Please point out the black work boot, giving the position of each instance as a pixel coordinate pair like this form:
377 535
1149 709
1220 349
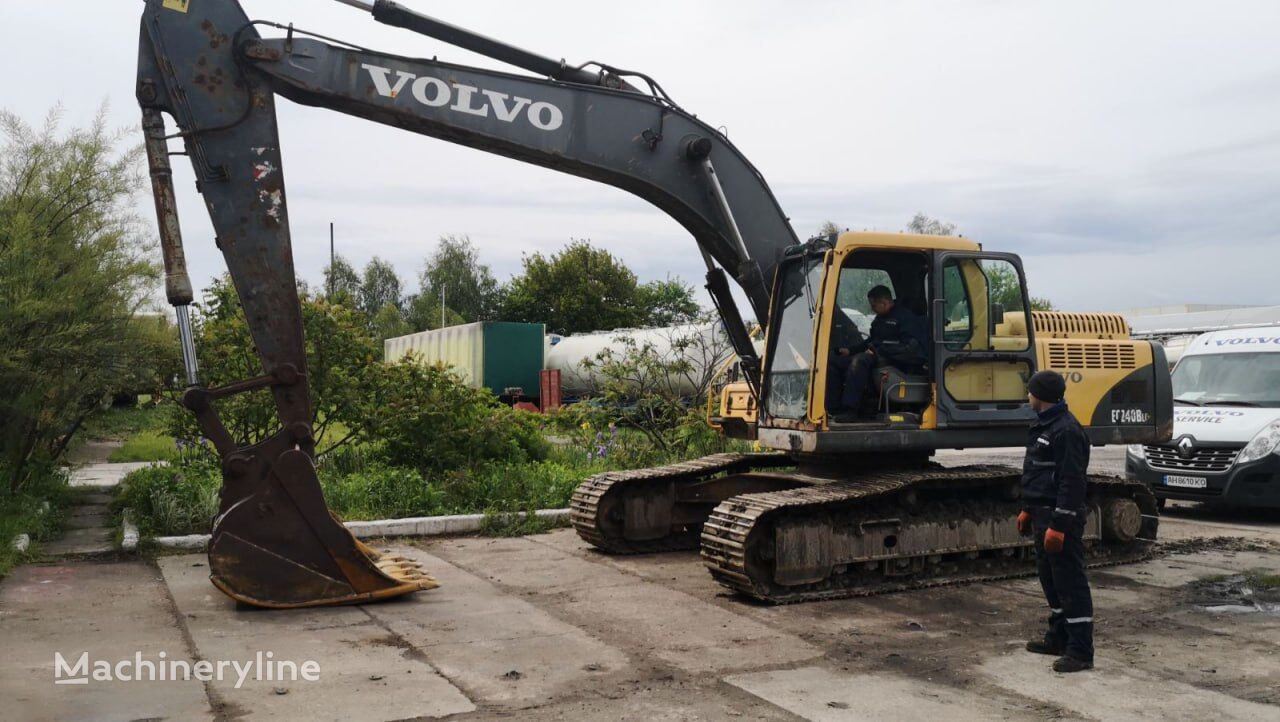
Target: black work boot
1042 646
1067 664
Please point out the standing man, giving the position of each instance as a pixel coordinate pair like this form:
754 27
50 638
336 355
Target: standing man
1054 477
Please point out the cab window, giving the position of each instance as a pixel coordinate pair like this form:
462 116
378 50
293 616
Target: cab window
983 298
957 330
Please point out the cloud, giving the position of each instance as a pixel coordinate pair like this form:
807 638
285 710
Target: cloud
1127 152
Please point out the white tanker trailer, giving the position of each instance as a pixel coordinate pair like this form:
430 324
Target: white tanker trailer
706 350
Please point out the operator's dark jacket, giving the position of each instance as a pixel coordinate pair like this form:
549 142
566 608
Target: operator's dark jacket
899 337
1055 472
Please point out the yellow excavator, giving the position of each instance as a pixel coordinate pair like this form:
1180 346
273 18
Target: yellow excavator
853 507
838 508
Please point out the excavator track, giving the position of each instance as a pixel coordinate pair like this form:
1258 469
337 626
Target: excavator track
744 535
595 506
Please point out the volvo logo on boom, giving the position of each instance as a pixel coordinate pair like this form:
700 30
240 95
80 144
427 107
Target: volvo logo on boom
436 93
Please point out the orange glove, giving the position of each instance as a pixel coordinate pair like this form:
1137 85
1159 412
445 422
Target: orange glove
1053 540
1024 524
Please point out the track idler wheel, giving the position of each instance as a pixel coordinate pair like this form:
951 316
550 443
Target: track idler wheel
275 544
1121 520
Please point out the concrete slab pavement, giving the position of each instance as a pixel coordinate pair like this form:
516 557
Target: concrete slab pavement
497 647
1168 572
824 695
104 474
671 626
366 672
1115 692
109 611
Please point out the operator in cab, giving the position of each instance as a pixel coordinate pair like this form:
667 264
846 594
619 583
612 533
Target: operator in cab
1054 481
898 338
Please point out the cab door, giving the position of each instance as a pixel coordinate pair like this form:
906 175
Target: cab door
983 340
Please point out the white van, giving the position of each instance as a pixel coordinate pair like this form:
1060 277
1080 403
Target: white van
1226 424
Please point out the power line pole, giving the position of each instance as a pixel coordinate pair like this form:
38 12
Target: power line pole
331 260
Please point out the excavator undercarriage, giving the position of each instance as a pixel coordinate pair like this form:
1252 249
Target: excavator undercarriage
786 536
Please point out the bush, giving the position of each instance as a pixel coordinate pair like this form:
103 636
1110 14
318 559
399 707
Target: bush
171 500
388 492
381 492
73 273
425 417
37 511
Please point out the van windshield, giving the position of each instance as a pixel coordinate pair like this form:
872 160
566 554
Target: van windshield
1229 379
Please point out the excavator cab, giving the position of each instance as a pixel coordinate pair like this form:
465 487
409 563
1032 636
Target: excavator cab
970 378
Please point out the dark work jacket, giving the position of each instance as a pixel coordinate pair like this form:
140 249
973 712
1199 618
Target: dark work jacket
1055 472
899 337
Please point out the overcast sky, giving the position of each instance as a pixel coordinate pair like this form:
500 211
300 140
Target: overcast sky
1129 152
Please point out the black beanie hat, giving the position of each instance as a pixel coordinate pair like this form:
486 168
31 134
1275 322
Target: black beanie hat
1047 386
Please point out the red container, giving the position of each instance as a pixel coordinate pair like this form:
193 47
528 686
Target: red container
549 389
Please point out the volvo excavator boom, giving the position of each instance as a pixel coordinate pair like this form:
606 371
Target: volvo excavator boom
205 64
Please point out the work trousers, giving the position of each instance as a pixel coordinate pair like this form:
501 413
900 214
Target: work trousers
1066 588
851 380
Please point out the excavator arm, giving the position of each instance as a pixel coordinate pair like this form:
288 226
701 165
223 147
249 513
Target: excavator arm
204 63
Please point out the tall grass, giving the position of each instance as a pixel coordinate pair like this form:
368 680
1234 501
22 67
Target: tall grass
171 500
37 510
146 446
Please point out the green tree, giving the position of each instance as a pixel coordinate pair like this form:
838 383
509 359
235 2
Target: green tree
828 228
469 287
920 223
341 282
576 289
72 277
1005 289
1004 282
379 288
157 367
666 303
342 364
389 322
422 313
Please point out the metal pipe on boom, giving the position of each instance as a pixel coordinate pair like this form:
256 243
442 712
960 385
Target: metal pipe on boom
397 15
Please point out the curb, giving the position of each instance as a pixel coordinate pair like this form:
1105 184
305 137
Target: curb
129 535
411 527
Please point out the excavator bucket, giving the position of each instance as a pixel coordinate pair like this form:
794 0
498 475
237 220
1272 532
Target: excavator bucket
275 544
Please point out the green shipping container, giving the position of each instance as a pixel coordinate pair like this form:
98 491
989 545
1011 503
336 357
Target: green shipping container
493 354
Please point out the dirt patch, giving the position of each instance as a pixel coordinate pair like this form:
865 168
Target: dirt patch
1251 592
1196 545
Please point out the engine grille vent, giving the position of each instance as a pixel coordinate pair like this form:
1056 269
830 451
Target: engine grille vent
1091 355
1058 324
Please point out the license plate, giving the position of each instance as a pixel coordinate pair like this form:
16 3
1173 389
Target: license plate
1188 482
